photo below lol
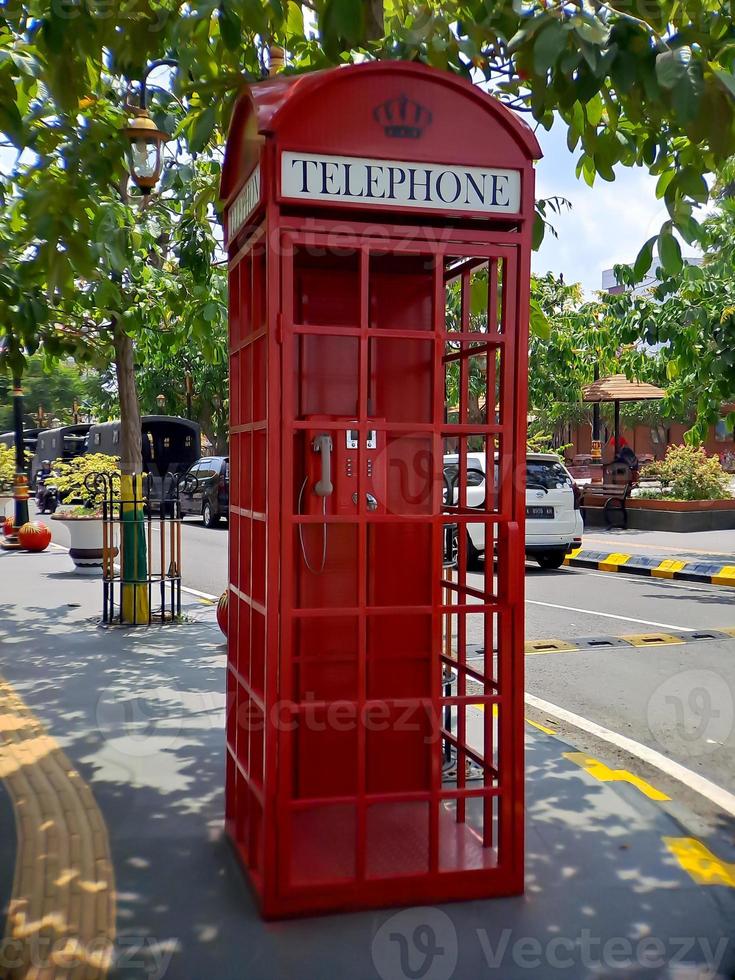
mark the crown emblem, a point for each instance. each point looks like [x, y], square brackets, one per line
[402, 118]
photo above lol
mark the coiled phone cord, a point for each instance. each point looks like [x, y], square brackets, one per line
[315, 571]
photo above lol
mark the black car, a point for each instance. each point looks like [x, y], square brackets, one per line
[205, 489]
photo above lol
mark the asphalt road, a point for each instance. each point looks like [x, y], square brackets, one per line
[678, 699]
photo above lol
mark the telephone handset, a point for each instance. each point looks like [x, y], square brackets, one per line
[332, 467]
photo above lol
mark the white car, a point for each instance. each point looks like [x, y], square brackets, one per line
[554, 523]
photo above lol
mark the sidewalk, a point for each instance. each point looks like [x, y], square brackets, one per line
[130, 762]
[704, 556]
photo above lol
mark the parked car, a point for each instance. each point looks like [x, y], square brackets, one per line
[554, 523]
[205, 489]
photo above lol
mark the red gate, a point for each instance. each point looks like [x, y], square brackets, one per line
[377, 386]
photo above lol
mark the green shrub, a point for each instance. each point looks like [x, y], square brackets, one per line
[688, 473]
[72, 474]
[7, 468]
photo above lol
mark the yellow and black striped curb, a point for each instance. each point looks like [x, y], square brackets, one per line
[713, 573]
[61, 916]
[629, 640]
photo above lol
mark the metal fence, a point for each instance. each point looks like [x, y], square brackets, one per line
[141, 547]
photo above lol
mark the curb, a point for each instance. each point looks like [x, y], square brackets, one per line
[713, 573]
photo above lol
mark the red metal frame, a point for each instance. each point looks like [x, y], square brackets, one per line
[336, 797]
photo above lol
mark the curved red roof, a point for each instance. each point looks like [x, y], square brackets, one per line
[338, 110]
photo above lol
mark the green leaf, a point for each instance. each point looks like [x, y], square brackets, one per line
[643, 260]
[11, 123]
[548, 45]
[202, 129]
[294, 19]
[230, 27]
[341, 24]
[669, 251]
[540, 325]
[539, 230]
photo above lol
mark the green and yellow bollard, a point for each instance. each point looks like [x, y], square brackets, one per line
[133, 559]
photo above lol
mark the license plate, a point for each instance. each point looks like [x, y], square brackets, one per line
[545, 513]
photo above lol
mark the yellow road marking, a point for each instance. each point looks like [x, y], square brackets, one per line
[613, 562]
[541, 728]
[652, 639]
[726, 576]
[668, 567]
[536, 724]
[602, 772]
[61, 916]
[700, 863]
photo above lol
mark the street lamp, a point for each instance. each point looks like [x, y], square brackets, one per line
[145, 138]
[161, 402]
[189, 382]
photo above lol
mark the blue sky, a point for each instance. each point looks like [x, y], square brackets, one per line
[607, 224]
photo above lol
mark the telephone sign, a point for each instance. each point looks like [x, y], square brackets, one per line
[378, 278]
[398, 184]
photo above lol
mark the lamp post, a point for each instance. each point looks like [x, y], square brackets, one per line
[145, 138]
[189, 382]
[161, 402]
[20, 482]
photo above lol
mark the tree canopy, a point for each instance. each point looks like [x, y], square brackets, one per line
[86, 270]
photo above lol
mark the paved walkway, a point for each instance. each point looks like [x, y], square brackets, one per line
[619, 883]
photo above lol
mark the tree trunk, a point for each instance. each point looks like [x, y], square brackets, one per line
[131, 454]
[374, 20]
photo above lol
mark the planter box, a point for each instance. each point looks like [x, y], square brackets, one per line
[685, 516]
[85, 548]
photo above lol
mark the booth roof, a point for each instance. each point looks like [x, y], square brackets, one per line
[617, 388]
[262, 108]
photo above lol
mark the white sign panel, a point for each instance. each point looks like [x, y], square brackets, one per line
[399, 183]
[244, 204]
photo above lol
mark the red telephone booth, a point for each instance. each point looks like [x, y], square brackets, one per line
[378, 228]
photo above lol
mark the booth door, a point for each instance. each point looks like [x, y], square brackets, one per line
[402, 667]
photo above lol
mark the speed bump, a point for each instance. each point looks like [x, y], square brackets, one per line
[726, 576]
[613, 562]
[668, 568]
[652, 639]
[548, 646]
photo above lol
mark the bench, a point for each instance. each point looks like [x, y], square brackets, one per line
[618, 481]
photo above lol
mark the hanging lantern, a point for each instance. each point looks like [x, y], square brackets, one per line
[144, 153]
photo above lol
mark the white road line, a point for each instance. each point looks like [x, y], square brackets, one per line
[624, 619]
[184, 588]
[200, 595]
[711, 791]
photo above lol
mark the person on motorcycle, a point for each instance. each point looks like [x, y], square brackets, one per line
[43, 492]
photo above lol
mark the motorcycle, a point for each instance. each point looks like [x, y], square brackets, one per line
[47, 495]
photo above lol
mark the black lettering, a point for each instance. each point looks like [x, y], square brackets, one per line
[327, 176]
[396, 175]
[457, 188]
[412, 184]
[372, 178]
[480, 191]
[347, 189]
[304, 175]
[497, 189]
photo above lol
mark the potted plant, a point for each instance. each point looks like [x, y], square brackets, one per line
[7, 475]
[82, 509]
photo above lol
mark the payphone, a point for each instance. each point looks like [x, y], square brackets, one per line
[378, 309]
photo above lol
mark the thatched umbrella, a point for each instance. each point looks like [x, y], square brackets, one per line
[618, 389]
